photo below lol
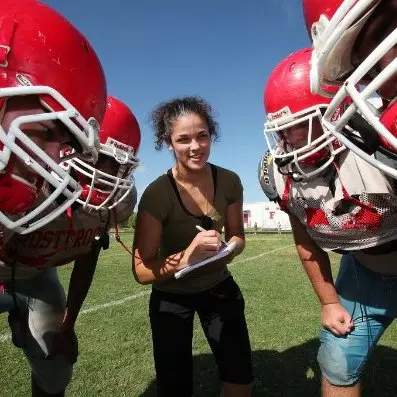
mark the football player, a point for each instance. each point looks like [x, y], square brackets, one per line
[52, 94]
[355, 48]
[41, 320]
[337, 202]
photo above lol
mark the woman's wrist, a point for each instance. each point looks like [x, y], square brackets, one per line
[181, 261]
[240, 244]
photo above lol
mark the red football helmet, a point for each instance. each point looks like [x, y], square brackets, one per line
[334, 26]
[43, 55]
[289, 103]
[120, 139]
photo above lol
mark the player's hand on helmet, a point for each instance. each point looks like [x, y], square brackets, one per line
[204, 245]
[336, 319]
[66, 344]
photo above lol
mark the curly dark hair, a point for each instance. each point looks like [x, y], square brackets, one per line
[163, 116]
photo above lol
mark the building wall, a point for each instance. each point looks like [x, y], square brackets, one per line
[267, 215]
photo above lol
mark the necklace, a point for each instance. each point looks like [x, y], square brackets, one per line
[212, 212]
[206, 190]
[207, 209]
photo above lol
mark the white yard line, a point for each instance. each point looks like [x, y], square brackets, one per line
[7, 336]
[115, 303]
[262, 254]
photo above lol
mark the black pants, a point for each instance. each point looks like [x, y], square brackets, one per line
[221, 313]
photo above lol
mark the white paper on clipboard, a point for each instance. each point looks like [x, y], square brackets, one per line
[224, 251]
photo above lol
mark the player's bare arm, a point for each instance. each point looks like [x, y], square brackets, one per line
[80, 282]
[318, 268]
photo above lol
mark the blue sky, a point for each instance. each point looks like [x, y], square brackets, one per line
[222, 50]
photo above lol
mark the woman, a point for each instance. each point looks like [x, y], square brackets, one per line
[193, 193]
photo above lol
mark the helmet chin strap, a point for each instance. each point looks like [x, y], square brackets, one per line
[27, 191]
[3, 109]
[91, 194]
[117, 235]
[368, 140]
[296, 175]
[17, 196]
[286, 163]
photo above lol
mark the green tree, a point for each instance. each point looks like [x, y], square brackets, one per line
[132, 220]
[123, 224]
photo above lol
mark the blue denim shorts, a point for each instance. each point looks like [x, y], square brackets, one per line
[371, 300]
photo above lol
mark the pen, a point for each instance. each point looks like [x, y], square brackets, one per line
[201, 229]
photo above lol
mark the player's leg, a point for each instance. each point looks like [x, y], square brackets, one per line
[342, 358]
[41, 306]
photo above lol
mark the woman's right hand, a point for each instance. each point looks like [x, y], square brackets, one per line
[204, 245]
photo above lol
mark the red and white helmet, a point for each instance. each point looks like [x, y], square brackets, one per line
[43, 55]
[288, 102]
[120, 139]
[334, 26]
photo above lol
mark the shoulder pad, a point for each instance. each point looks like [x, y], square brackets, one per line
[266, 176]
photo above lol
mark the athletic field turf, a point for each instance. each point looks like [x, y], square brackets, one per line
[282, 314]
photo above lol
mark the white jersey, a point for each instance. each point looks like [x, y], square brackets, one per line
[61, 241]
[358, 213]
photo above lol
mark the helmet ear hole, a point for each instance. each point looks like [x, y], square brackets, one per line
[120, 156]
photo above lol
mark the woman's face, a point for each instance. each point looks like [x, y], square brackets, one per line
[191, 141]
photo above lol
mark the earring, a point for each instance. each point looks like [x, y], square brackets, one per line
[170, 147]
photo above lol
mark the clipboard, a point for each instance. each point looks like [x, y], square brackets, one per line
[225, 250]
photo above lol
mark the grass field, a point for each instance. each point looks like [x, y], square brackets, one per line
[282, 314]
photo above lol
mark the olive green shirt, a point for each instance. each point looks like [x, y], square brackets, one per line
[161, 199]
